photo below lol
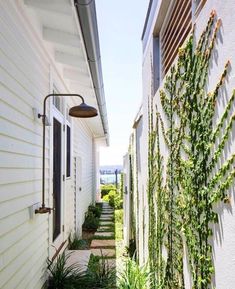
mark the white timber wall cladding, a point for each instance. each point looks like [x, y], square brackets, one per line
[83, 148]
[24, 82]
[224, 232]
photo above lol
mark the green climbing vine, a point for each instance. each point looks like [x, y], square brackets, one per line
[187, 178]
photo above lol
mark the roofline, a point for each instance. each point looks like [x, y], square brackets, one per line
[146, 18]
[86, 12]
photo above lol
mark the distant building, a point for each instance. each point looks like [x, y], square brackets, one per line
[110, 174]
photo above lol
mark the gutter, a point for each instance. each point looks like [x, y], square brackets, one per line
[86, 12]
[146, 19]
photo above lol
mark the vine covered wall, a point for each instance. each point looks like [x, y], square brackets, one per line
[185, 184]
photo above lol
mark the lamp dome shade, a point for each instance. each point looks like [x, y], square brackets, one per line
[83, 111]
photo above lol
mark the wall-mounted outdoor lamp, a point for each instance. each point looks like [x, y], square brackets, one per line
[82, 111]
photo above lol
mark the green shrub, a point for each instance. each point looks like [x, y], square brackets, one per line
[119, 224]
[119, 216]
[114, 199]
[96, 210]
[105, 189]
[77, 244]
[62, 276]
[99, 274]
[118, 202]
[91, 221]
[106, 198]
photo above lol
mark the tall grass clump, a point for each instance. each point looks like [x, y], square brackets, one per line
[133, 276]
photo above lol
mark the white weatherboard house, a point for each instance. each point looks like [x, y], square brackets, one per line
[167, 26]
[46, 47]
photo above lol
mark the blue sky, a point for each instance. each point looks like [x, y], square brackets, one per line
[120, 24]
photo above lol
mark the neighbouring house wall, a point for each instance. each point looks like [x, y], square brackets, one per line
[25, 238]
[223, 234]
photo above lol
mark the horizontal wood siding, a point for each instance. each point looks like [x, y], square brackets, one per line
[83, 148]
[24, 81]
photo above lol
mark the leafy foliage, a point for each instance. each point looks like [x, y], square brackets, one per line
[114, 199]
[99, 274]
[133, 276]
[105, 189]
[75, 243]
[181, 200]
[96, 210]
[63, 276]
[119, 225]
[91, 221]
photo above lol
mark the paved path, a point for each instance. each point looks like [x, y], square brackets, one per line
[103, 243]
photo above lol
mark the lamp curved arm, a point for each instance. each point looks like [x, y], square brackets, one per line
[57, 94]
[43, 209]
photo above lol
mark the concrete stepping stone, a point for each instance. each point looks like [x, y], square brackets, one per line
[107, 210]
[106, 223]
[80, 257]
[102, 243]
[106, 219]
[105, 228]
[106, 216]
[104, 252]
[104, 234]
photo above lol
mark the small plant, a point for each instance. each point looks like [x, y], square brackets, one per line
[119, 224]
[100, 274]
[96, 210]
[133, 276]
[105, 189]
[91, 221]
[114, 199]
[75, 243]
[62, 276]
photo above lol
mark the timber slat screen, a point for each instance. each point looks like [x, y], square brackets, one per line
[175, 32]
[199, 6]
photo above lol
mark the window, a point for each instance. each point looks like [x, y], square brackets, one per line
[156, 64]
[175, 31]
[57, 100]
[68, 117]
[68, 154]
[57, 165]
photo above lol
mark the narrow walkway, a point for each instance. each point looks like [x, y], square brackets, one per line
[103, 243]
